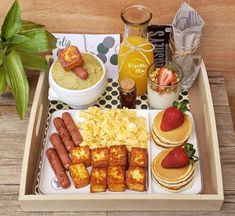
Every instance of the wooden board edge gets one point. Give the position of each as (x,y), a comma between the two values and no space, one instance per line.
(30,129)
(119,203)
(121,197)
(213,130)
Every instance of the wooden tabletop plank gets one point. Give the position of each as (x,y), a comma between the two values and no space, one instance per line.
(7,99)
(9,205)
(229,211)
(77,16)
(12,136)
(230,86)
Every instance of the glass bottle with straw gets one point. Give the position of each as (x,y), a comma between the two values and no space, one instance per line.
(136,52)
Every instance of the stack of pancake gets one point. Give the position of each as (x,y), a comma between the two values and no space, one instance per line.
(172,180)
(173,138)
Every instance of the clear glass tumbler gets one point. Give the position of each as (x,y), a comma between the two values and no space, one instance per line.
(163,96)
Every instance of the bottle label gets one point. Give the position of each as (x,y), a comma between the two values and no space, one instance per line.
(137,67)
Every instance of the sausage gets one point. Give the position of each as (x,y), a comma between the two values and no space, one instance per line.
(60,150)
(57,168)
(64,134)
(81,72)
(72,128)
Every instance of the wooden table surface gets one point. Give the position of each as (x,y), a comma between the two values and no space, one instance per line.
(12,138)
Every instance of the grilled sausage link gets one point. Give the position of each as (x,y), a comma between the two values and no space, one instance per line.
(81,72)
(60,150)
(64,134)
(57,168)
(72,128)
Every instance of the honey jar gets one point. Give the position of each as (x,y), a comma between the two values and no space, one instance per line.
(128,93)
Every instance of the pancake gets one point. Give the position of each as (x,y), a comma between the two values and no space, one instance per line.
(161,144)
(180,184)
(172,180)
(172,175)
(176,189)
(177,136)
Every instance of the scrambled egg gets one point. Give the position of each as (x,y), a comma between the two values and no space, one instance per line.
(113,127)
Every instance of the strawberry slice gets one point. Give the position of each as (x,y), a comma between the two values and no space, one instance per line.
(173,117)
(180,157)
(166,77)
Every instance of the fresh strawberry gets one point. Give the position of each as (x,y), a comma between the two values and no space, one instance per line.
(173,117)
(180,157)
(166,77)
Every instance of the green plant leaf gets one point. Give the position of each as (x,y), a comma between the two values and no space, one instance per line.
(34,61)
(40,41)
(28,26)
(7,79)
(18,81)
(3,82)
(1,46)
(12,22)
(2,52)
(16,39)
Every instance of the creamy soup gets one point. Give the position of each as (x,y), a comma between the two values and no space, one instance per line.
(68,80)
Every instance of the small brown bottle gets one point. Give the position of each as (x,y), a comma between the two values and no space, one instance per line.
(128,93)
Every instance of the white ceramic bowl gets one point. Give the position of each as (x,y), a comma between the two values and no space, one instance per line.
(78,99)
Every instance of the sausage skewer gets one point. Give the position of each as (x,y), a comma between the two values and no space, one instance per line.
(57,168)
(64,134)
(61,151)
(72,128)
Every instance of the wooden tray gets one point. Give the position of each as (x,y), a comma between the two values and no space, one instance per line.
(210,199)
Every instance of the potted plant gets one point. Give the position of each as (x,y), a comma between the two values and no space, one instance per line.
(22,44)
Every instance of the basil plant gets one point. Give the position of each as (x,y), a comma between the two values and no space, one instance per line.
(22,44)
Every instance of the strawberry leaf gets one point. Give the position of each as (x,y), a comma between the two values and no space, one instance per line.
(182,106)
(188,147)
(169,66)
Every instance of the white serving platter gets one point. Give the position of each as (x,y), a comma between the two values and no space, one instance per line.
(197,183)
(48,183)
